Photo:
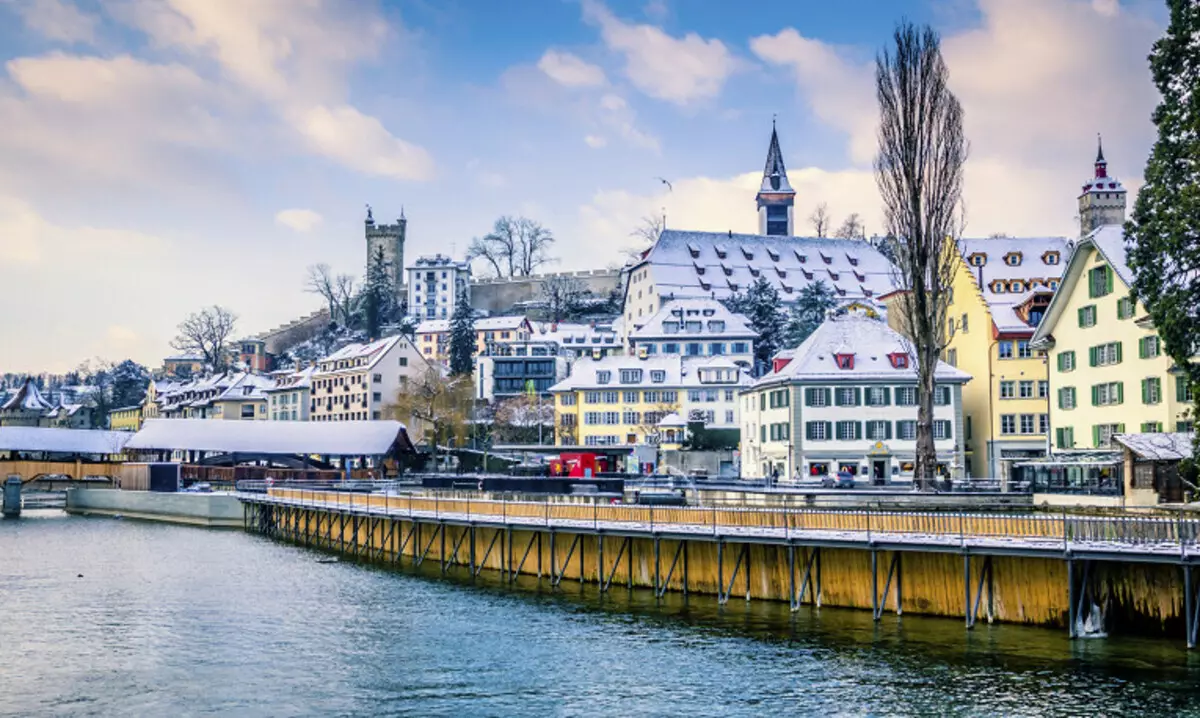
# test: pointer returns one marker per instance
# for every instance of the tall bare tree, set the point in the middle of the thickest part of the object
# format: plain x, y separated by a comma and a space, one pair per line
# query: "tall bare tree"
563, 297
436, 407
337, 291
852, 228
919, 171
819, 220
205, 333
646, 234
516, 247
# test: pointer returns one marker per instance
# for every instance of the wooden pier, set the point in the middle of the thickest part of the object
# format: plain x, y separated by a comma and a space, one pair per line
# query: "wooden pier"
1124, 573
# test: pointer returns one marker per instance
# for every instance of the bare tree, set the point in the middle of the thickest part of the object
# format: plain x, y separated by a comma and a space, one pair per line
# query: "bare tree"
337, 291
205, 333
436, 407
819, 220
563, 297
646, 234
344, 295
919, 172
524, 420
516, 247
852, 228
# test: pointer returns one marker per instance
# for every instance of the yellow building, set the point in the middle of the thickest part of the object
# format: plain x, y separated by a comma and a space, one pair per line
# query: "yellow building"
126, 418
244, 400
1108, 373
624, 399
432, 337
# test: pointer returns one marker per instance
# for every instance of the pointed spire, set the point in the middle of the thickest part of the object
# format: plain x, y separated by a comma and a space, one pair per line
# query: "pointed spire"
774, 173
1101, 164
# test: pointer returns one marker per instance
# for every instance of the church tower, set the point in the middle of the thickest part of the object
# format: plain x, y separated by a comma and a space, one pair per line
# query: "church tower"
391, 238
1103, 199
776, 196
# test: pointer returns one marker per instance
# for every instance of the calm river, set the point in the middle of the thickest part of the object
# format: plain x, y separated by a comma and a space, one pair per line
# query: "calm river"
107, 617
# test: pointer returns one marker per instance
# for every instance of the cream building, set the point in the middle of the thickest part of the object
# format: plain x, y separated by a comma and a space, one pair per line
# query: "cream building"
360, 381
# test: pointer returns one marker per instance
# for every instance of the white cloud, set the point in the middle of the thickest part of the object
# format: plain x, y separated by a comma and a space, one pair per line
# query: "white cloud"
678, 70
56, 20
301, 220
1037, 79
361, 142
570, 70
595, 141
617, 116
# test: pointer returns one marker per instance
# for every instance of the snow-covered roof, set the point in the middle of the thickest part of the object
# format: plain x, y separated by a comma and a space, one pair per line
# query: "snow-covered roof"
246, 387
62, 441
327, 438
575, 335
775, 177
1010, 270
687, 264
693, 318
483, 324
1109, 241
291, 380
64, 410
27, 398
439, 261
359, 357
433, 326
1160, 447
672, 372
672, 419
872, 344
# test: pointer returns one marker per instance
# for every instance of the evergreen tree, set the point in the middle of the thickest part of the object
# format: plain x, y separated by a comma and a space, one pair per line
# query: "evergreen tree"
1163, 235
815, 300
128, 383
462, 335
379, 298
760, 305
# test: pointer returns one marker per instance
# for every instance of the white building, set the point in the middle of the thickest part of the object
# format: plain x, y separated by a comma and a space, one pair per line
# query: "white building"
360, 380
845, 399
696, 327
290, 397
433, 284
576, 340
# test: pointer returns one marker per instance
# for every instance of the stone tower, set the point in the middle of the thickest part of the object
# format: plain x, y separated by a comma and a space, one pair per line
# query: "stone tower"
1103, 198
391, 238
776, 196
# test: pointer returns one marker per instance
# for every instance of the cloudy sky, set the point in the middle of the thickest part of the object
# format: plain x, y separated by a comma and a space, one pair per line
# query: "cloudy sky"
157, 156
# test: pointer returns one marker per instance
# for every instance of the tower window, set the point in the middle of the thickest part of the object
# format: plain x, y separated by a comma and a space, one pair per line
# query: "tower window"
777, 220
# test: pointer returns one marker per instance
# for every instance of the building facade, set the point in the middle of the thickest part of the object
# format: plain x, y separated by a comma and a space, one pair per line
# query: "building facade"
244, 399
1108, 372
434, 284
433, 335
289, 398
506, 371
694, 328
126, 418
846, 400
359, 381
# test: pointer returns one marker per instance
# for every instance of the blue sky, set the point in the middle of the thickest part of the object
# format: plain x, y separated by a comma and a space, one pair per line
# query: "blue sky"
164, 155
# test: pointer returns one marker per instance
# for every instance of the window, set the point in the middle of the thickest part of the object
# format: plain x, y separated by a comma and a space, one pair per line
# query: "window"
1065, 437
1066, 361
631, 417
650, 397
1066, 398
1027, 423
712, 395
603, 377
1013, 259
1151, 390
1026, 389
951, 357
1005, 349
1108, 394
941, 396
816, 397
567, 400
729, 395
631, 376
1100, 281
816, 430
1183, 390
1008, 423
1102, 434
1043, 423
694, 395
1007, 389
1087, 316
846, 396
941, 429
729, 416
658, 376
1124, 308
376, 396
740, 348
591, 397
965, 326
693, 349
1105, 354
631, 397
878, 396
1023, 350
403, 361
610, 397
879, 430
844, 361
716, 348
670, 348
1043, 389
849, 430
1149, 347
670, 397
1152, 427
899, 360
1185, 427
906, 430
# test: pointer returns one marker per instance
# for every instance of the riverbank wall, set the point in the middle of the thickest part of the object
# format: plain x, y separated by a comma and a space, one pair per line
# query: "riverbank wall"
212, 510
1072, 592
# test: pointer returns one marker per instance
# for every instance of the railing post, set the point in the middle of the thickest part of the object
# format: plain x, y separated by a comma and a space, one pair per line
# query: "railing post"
596, 520
1064, 533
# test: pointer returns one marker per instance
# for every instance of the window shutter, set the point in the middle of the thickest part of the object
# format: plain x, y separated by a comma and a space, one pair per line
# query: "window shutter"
858, 397
1061, 363
858, 430
1120, 392
828, 395
1142, 348
1095, 435
887, 431
1119, 344
1092, 352
887, 397
829, 430
1145, 391
1061, 403
1108, 280
1059, 438
1180, 388
1079, 315
1095, 395
1120, 428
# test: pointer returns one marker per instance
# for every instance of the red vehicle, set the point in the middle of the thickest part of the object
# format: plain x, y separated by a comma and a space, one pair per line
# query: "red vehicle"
576, 466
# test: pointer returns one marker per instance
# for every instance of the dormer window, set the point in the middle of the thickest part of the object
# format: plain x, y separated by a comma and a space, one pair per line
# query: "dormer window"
832, 274
670, 327
859, 276
631, 376
1016, 286
692, 327
852, 259
1050, 257
658, 376
699, 269
866, 292
801, 258
727, 270
1053, 284
781, 272
754, 272
747, 253
716, 326
721, 253
733, 286
899, 360
999, 286
705, 285
603, 377
1013, 259
844, 361
807, 274
773, 255
978, 259
787, 288
709, 312
827, 260
694, 250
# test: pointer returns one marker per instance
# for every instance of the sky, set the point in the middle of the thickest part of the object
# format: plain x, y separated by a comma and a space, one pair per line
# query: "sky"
160, 156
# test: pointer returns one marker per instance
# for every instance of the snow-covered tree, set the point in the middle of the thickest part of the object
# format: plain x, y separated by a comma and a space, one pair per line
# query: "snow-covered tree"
1163, 234
516, 247
809, 311
378, 296
462, 335
563, 297
205, 333
128, 383
760, 305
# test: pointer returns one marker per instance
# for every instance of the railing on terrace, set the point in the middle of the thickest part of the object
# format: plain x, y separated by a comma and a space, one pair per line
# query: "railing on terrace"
1157, 533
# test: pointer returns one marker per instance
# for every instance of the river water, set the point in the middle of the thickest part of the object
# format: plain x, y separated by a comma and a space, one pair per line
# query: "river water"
107, 617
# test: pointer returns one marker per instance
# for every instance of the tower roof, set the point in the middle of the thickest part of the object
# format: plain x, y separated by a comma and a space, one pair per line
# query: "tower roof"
1099, 150
774, 173
1101, 181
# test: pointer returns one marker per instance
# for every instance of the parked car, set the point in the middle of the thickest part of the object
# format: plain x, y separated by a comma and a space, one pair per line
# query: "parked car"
841, 480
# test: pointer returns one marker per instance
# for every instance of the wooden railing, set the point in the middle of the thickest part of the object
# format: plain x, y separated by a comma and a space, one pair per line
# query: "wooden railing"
29, 470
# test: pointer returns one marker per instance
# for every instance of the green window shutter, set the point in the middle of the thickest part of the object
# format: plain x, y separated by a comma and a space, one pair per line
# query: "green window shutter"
1079, 315
828, 396
858, 430
1060, 359
1120, 392
1092, 352
887, 432
1180, 389
829, 430
837, 398
1095, 395
1120, 429
1058, 438
1095, 435
1145, 391
762, 433
1108, 279
1119, 351
1142, 348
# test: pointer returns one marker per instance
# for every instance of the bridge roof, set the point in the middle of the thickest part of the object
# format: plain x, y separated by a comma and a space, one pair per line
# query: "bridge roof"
333, 438
62, 441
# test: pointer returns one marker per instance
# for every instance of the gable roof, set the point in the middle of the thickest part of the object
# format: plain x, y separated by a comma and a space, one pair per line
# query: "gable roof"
871, 341
1109, 241
686, 264
1033, 272
27, 398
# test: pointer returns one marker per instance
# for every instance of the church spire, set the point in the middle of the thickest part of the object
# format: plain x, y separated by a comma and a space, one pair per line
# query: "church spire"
1101, 165
775, 196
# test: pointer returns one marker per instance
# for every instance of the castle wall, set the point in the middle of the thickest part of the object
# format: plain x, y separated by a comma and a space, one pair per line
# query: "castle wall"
499, 295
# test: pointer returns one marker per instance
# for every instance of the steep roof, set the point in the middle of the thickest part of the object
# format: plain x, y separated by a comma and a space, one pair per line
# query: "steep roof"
246, 387
332, 438
1109, 241
687, 264
871, 341
1034, 271
27, 398
672, 318
774, 173
292, 380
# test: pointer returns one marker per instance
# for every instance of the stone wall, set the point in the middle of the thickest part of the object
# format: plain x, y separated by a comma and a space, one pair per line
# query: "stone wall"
497, 296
